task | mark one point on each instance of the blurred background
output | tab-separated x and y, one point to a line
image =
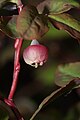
35	84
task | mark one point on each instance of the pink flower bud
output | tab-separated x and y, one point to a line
36	54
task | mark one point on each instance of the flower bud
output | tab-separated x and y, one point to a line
36	54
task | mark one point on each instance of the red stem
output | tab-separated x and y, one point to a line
17	46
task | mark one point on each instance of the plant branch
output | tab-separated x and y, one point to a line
56	94
17	47
12	106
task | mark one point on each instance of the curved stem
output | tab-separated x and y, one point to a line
17	46
62	90
12	106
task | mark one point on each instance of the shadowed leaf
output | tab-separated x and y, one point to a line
66	73
8	26
9	7
62	79
67	22
74	33
3	2
31	2
72	69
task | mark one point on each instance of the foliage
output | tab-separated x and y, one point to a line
30	20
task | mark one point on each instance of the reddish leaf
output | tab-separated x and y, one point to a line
31	25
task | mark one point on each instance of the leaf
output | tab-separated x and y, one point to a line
75	34
57	6
62	79
71	69
9	7
7	22
67	22
67	73
31	2
3	2
31	25
8	26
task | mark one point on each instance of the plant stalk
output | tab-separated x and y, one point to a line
17	47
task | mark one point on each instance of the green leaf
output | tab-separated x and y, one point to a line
62	79
57	6
72	69
60	26
3	2
67	73
67	20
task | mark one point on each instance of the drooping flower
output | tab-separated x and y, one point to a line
36	54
